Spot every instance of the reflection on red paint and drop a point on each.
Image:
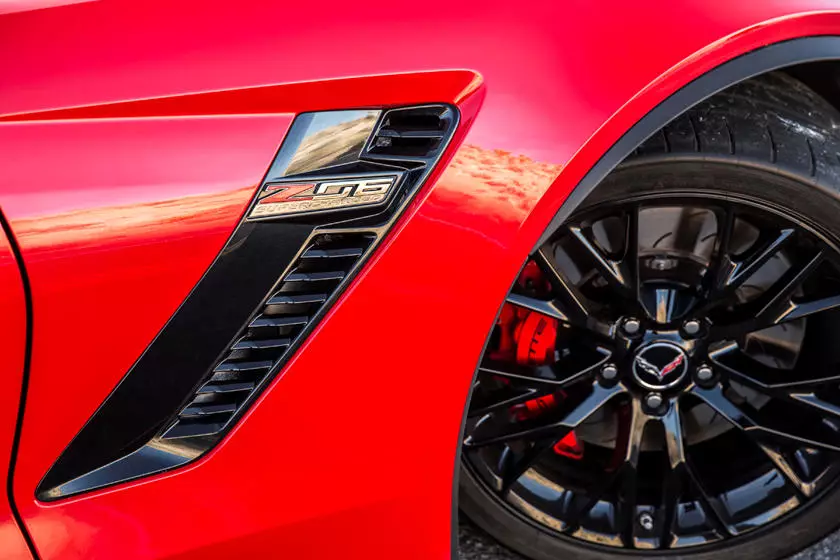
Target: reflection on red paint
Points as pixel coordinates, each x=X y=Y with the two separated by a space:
x=165 y=220
x=496 y=183
x=117 y=219
x=13 y=6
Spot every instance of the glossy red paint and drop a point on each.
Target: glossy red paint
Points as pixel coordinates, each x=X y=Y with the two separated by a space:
x=134 y=198
x=13 y=334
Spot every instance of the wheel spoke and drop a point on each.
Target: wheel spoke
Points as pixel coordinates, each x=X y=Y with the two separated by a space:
x=807 y=489
x=673 y=490
x=627 y=490
x=599 y=329
x=582 y=409
x=594 y=494
x=710 y=504
x=720 y=257
x=482 y=404
x=577 y=308
x=614 y=272
x=638 y=422
x=779 y=384
x=800 y=310
x=630 y=259
x=526 y=376
x=513 y=465
x=544 y=376
x=744 y=369
x=819 y=436
x=812 y=401
x=735 y=273
x=547 y=308
x=627 y=475
x=673 y=436
x=680 y=477
x=715 y=398
x=775 y=307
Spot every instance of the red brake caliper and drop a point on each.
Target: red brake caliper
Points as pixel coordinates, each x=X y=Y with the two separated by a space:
x=530 y=338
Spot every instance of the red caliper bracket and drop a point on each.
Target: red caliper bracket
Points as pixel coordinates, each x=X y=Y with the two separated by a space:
x=529 y=338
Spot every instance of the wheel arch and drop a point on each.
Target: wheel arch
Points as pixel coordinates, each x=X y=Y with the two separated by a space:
x=812 y=59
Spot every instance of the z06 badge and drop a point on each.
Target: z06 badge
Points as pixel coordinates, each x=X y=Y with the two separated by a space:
x=318 y=196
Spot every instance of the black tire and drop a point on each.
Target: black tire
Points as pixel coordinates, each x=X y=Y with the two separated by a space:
x=770 y=139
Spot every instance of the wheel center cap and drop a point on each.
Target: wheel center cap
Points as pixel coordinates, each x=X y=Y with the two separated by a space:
x=660 y=365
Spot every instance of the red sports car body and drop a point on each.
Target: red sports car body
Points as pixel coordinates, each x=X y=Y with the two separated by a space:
x=135 y=137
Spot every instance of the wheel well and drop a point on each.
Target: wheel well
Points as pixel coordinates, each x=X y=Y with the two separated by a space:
x=808 y=91
x=823 y=77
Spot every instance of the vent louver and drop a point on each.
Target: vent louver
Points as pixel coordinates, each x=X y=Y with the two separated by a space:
x=266 y=339
x=416 y=132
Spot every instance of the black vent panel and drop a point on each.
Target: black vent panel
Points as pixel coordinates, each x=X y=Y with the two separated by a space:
x=264 y=342
x=416 y=132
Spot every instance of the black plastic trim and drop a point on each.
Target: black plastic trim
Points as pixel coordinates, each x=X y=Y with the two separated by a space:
x=238 y=364
x=748 y=65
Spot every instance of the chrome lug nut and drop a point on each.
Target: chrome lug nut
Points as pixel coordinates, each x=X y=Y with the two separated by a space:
x=692 y=327
x=609 y=372
x=632 y=326
x=705 y=373
x=653 y=400
x=646 y=521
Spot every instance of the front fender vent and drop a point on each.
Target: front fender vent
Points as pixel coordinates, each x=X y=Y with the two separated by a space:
x=412 y=133
x=263 y=343
x=271 y=284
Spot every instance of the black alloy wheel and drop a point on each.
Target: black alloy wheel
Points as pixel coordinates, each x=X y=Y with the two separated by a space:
x=664 y=377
